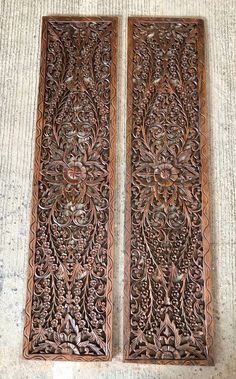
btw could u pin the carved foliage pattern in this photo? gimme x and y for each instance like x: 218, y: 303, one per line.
x: 69, y: 308
x: 167, y: 319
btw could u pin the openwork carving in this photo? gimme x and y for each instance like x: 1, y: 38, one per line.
x: 167, y: 291
x: 68, y: 311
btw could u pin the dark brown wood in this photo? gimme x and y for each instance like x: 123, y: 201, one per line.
x: 69, y: 289
x: 168, y: 301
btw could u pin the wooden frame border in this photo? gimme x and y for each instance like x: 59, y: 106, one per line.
x: 205, y: 196
x: 34, y: 202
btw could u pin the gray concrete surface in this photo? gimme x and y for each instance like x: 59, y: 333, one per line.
x: 20, y: 38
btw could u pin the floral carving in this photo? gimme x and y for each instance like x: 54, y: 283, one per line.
x: 166, y: 303
x: 71, y: 299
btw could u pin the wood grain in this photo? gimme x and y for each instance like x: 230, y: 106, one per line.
x: 69, y: 289
x: 168, y: 300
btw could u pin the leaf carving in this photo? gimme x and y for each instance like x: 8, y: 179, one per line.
x: 166, y: 311
x: 70, y: 287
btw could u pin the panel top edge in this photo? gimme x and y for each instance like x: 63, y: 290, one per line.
x: 167, y: 19
x: 80, y: 18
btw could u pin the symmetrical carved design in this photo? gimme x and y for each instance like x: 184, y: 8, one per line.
x: 167, y: 290
x: 68, y: 311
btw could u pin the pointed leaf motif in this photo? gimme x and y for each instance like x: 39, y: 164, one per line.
x: 84, y: 344
x: 165, y: 286
x: 56, y: 337
x: 184, y: 156
x: 95, y: 349
x: 99, y: 341
x: 78, y: 339
x: 71, y: 248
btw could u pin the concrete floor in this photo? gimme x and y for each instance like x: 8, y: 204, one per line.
x: 20, y: 37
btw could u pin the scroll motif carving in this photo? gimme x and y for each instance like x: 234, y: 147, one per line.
x: 168, y: 311
x: 68, y: 311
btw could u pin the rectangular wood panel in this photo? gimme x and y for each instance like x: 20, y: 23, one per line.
x: 69, y: 288
x: 168, y: 301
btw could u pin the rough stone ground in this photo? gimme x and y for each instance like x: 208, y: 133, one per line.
x: 20, y: 39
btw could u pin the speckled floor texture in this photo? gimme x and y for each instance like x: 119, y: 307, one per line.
x: 19, y: 65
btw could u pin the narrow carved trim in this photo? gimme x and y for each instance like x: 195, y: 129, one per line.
x: 167, y: 283
x: 68, y: 313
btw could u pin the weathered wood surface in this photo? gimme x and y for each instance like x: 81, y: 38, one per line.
x: 71, y: 249
x: 20, y: 52
x: 167, y: 292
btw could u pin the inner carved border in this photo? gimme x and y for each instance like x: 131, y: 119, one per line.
x: 69, y: 288
x: 168, y: 304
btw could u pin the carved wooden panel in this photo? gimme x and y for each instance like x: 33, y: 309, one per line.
x: 168, y: 303
x: 69, y: 290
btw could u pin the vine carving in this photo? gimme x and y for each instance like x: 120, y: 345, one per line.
x: 166, y: 310
x: 70, y: 278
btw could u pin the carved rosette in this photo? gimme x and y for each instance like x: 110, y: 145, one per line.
x: 166, y: 310
x: 71, y: 289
